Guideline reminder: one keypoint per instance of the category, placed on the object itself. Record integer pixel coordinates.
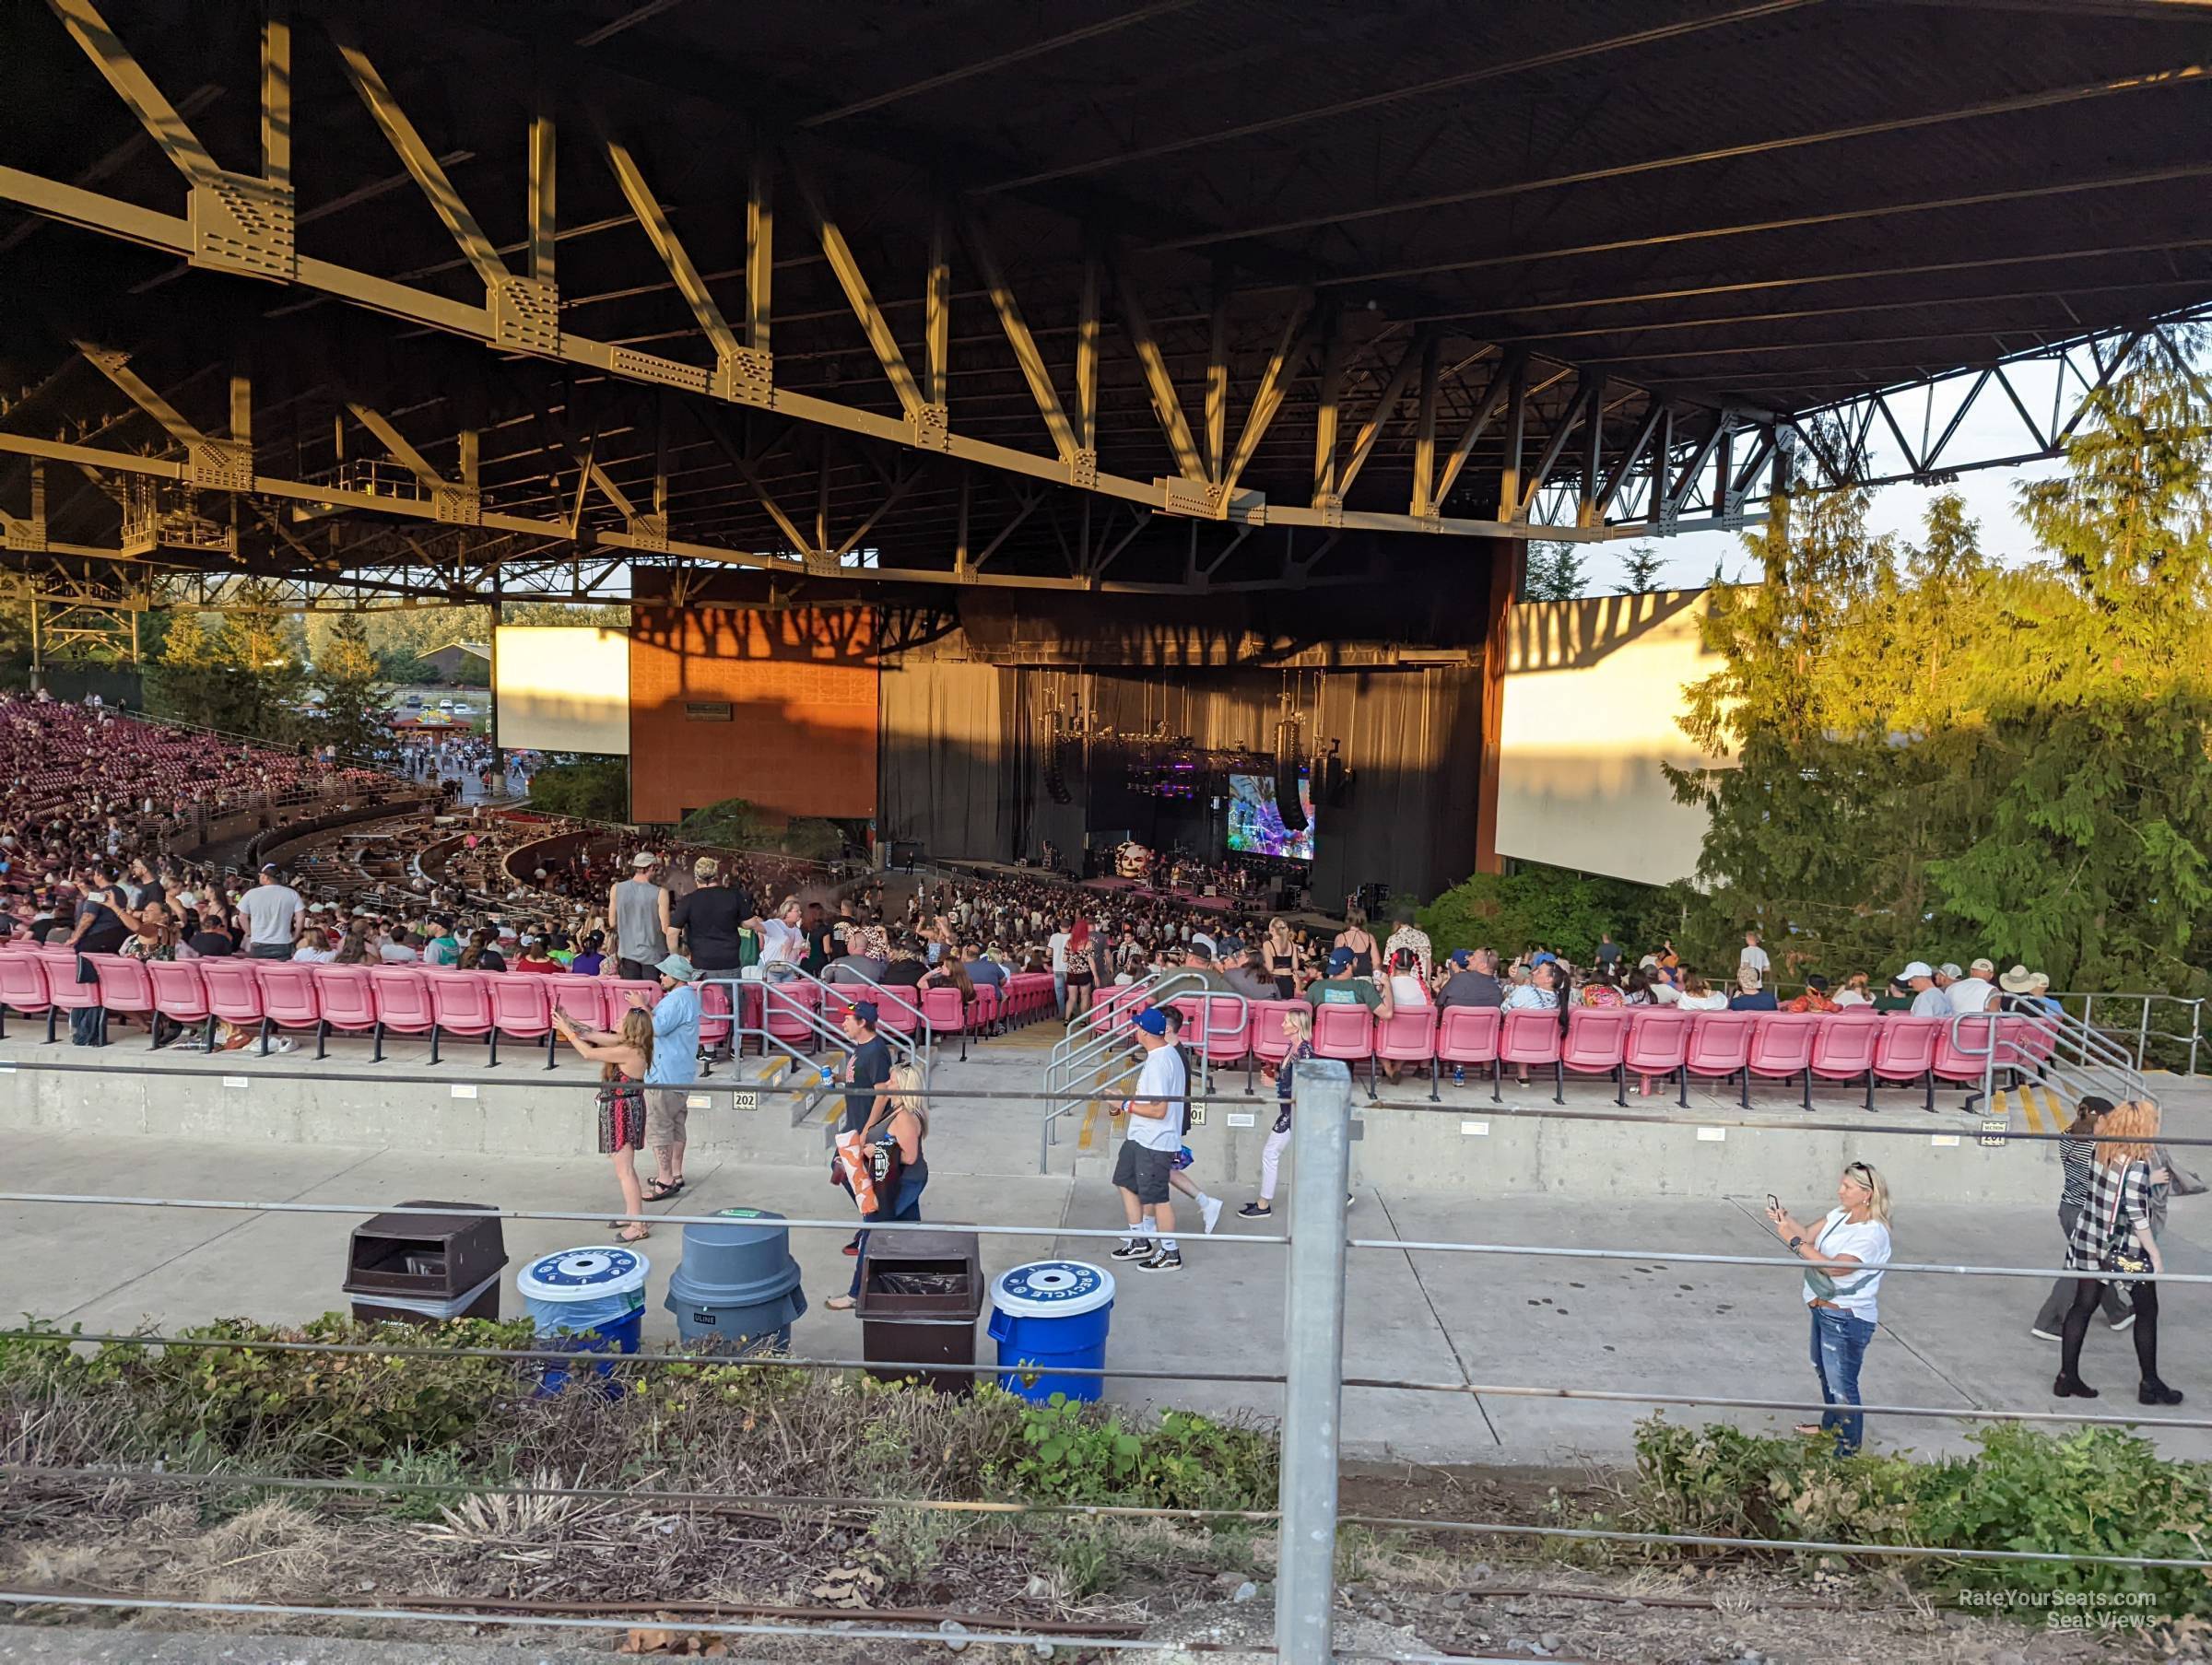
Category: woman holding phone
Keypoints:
(623, 1059)
(1845, 1254)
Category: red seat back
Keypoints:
(1719, 1042)
(785, 1006)
(124, 984)
(1782, 1042)
(1468, 1034)
(1529, 1035)
(178, 992)
(583, 999)
(1658, 1039)
(941, 1005)
(288, 995)
(461, 1001)
(61, 987)
(346, 995)
(1346, 1032)
(1597, 1039)
(1845, 1047)
(234, 990)
(1955, 1063)
(1907, 1047)
(402, 996)
(522, 1003)
(1408, 1035)
(1268, 1042)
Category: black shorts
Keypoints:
(1141, 1169)
(637, 971)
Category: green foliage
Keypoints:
(1079, 1454)
(1564, 911)
(446, 1476)
(597, 789)
(243, 676)
(1640, 569)
(1554, 573)
(353, 692)
(2098, 1491)
(734, 824)
(1934, 757)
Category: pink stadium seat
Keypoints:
(1906, 1052)
(1597, 1043)
(987, 1008)
(234, 996)
(1409, 1036)
(1658, 1044)
(345, 1000)
(1782, 1046)
(289, 999)
(941, 1006)
(582, 998)
(1963, 1047)
(1720, 1044)
(898, 1009)
(61, 987)
(1845, 1050)
(1217, 1025)
(522, 1009)
(1526, 1036)
(461, 1005)
(180, 995)
(124, 988)
(1347, 1033)
(615, 992)
(1468, 1034)
(402, 996)
(1269, 1043)
(785, 1010)
(23, 988)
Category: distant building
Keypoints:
(446, 662)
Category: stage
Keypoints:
(1255, 906)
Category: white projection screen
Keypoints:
(1593, 689)
(563, 689)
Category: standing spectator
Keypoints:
(1409, 938)
(1848, 1250)
(624, 1060)
(894, 1139)
(1082, 968)
(1056, 945)
(1281, 959)
(782, 943)
(1753, 959)
(1356, 939)
(1147, 1156)
(2113, 1234)
(1298, 1027)
(104, 922)
(2077, 1155)
(675, 1068)
(1608, 952)
(638, 910)
(271, 912)
(713, 917)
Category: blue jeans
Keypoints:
(1839, 1345)
(909, 1207)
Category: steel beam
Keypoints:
(1386, 408)
(846, 269)
(705, 310)
(1275, 382)
(1027, 357)
(1165, 405)
(136, 89)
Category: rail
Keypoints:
(2008, 1041)
(2186, 1042)
(1095, 1037)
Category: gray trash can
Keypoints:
(736, 1289)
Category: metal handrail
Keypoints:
(899, 1040)
(814, 1021)
(2143, 1033)
(1070, 1055)
(1098, 1024)
(2113, 1077)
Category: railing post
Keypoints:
(2143, 1039)
(1305, 1578)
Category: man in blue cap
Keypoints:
(1340, 988)
(1142, 1171)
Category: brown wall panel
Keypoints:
(799, 686)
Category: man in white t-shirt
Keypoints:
(1976, 989)
(1057, 943)
(1753, 957)
(1142, 1171)
(1928, 1001)
(271, 911)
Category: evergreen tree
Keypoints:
(261, 677)
(353, 705)
(184, 683)
(1555, 572)
(1640, 567)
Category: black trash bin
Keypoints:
(425, 1268)
(920, 1292)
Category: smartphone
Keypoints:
(1774, 1203)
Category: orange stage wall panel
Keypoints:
(776, 708)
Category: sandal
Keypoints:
(660, 1192)
(839, 1303)
(633, 1234)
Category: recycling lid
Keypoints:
(584, 1274)
(1052, 1289)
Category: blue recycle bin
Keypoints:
(1048, 1315)
(585, 1300)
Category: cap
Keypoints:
(1340, 960)
(1459, 956)
(1980, 967)
(864, 1010)
(644, 858)
(1153, 1021)
(1914, 968)
(1816, 981)
(1949, 969)
(1543, 957)
(677, 967)
(268, 867)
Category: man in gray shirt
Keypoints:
(638, 909)
(271, 913)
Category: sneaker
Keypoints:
(1255, 1211)
(284, 1043)
(1134, 1249)
(853, 1249)
(1167, 1259)
(2045, 1335)
(1210, 1210)
(1348, 1200)
(2123, 1323)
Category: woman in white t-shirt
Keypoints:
(1697, 997)
(1846, 1252)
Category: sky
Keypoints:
(1991, 428)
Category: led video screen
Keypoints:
(1255, 820)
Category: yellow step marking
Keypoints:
(2035, 1119)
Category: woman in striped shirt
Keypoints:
(2113, 1234)
(2075, 1152)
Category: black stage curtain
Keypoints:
(963, 770)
